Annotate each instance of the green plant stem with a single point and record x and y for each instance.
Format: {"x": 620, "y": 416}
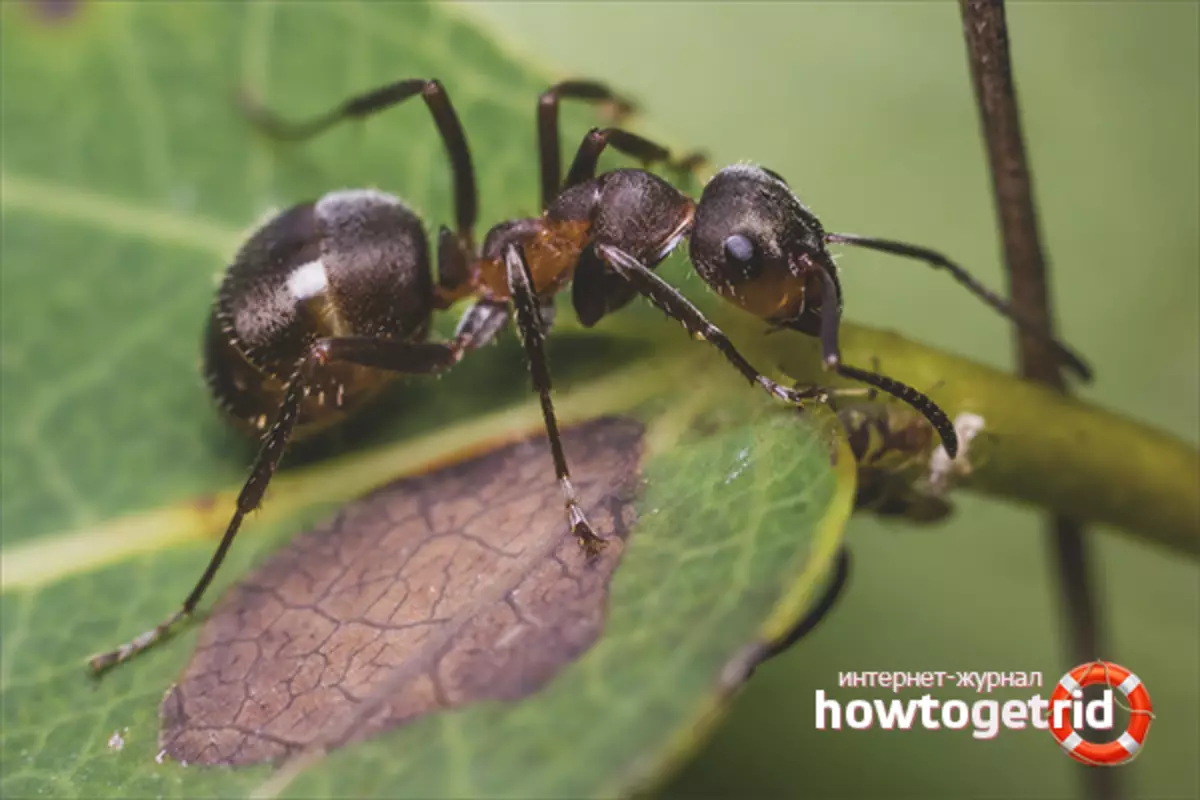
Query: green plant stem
{"x": 1038, "y": 447}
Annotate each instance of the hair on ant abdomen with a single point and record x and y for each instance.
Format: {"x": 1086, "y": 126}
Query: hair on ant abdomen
{"x": 313, "y": 273}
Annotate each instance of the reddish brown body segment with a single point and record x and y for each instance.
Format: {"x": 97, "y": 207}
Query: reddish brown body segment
{"x": 552, "y": 252}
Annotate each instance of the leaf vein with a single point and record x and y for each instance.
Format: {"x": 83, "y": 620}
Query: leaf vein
{"x": 106, "y": 212}
{"x": 147, "y": 107}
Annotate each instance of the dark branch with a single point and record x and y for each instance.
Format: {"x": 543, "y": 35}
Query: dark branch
{"x": 987, "y": 46}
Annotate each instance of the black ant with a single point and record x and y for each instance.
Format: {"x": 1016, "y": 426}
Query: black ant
{"x": 327, "y": 294}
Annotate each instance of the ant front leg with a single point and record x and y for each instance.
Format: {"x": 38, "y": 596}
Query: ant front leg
{"x": 405, "y": 357}
{"x": 531, "y": 326}
{"x": 668, "y": 299}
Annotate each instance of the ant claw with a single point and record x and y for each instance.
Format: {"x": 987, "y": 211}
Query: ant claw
{"x": 592, "y": 544}
{"x": 589, "y": 541}
{"x": 582, "y": 529}
{"x": 796, "y": 395}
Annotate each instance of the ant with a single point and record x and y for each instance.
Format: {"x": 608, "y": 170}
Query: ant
{"x": 330, "y": 296}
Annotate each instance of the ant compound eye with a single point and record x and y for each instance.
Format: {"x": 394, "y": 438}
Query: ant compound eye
{"x": 739, "y": 248}
{"x": 742, "y": 257}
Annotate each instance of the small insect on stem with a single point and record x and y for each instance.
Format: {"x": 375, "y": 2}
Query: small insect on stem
{"x": 332, "y": 298}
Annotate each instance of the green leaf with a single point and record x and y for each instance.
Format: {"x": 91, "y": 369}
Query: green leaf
{"x": 127, "y": 182}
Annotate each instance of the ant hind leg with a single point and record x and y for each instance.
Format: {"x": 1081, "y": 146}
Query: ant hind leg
{"x": 404, "y": 357}
{"x": 466, "y": 200}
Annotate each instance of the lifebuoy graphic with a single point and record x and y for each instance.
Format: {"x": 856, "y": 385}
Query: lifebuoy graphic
{"x": 1128, "y": 743}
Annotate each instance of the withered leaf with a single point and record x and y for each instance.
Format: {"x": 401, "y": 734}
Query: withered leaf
{"x": 428, "y": 594}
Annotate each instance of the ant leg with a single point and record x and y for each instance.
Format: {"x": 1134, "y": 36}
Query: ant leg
{"x": 678, "y": 307}
{"x": 531, "y": 329}
{"x": 405, "y": 357}
{"x": 454, "y": 260}
{"x": 937, "y": 260}
{"x": 832, "y": 357}
{"x": 583, "y": 168}
{"x": 265, "y": 462}
{"x": 466, "y": 199}
{"x": 547, "y": 124}
{"x": 480, "y": 324}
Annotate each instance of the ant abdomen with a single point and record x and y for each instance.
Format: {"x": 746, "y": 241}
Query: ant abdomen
{"x": 354, "y": 263}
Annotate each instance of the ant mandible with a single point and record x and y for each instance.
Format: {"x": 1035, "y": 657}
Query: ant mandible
{"x": 328, "y": 293}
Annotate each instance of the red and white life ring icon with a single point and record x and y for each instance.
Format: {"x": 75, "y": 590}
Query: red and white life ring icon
{"x": 1128, "y": 743}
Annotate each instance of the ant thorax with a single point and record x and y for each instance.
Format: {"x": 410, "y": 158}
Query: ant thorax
{"x": 552, "y": 248}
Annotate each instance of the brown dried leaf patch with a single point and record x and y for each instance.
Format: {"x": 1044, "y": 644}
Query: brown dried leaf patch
{"x": 428, "y": 594}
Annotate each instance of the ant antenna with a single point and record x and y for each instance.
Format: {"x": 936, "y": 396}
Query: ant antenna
{"x": 830, "y": 321}
{"x": 937, "y": 260}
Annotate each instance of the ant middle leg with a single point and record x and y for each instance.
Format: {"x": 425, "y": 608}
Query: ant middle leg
{"x": 547, "y": 124}
{"x": 531, "y": 328}
{"x": 668, "y": 299}
{"x": 587, "y": 157}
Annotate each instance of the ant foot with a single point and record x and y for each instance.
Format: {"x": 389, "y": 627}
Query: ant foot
{"x": 797, "y": 395}
{"x": 588, "y": 540}
{"x": 101, "y": 662}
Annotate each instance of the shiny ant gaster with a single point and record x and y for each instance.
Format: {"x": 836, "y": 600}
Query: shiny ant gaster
{"x": 329, "y": 297}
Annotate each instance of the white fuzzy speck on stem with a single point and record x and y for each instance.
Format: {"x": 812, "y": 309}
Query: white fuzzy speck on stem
{"x": 943, "y": 470}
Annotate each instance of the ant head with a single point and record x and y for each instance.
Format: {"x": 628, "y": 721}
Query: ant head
{"x": 755, "y": 244}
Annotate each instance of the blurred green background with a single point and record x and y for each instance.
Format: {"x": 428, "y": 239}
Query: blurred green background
{"x": 867, "y": 109}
